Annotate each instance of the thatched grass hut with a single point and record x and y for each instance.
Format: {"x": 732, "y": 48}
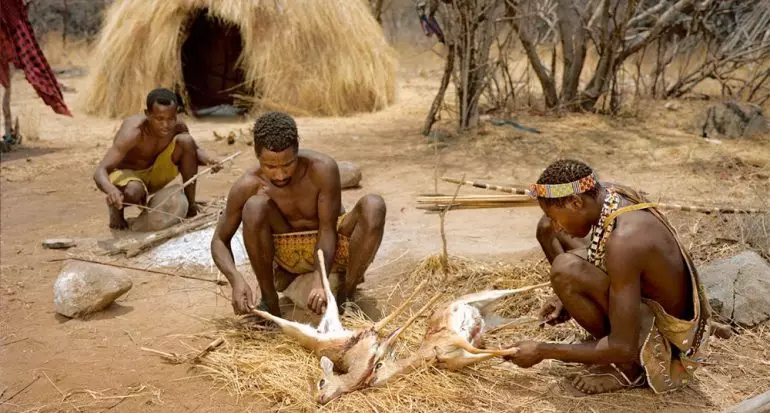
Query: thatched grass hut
{"x": 306, "y": 57}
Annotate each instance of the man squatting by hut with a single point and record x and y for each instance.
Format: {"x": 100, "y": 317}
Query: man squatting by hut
{"x": 291, "y": 206}
{"x": 633, "y": 287}
{"x": 147, "y": 153}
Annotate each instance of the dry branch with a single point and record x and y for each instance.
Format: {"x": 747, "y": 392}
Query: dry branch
{"x": 133, "y": 248}
{"x": 190, "y": 277}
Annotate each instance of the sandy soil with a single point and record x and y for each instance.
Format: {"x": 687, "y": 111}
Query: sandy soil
{"x": 47, "y": 192}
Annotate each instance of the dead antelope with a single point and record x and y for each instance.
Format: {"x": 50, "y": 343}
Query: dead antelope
{"x": 352, "y": 352}
{"x": 454, "y": 336}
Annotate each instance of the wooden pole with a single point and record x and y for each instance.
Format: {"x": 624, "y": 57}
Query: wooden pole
{"x": 7, "y": 102}
{"x": 756, "y": 404}
{"x": 189, "y": 277}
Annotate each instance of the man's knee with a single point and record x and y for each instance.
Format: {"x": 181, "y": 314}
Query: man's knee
{"x": 373, "y": 210}
{"x": 256, "y": 212}
{"x": 186, "y": 142}
{"x": 134, "y": 193}
{"x": 566, "y": 272}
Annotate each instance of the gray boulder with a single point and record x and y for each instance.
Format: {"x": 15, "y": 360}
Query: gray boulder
{"x": 738, "y": 288}
{"x": 350, "y": 175}
{"x": 84, "y": 288}
{"x": 733, "y": 120}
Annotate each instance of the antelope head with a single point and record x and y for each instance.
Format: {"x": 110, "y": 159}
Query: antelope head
{"x": 386, "y": 366}
{"x": 364, "y": 352}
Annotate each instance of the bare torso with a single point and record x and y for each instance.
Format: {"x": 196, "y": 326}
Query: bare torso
{"x": 298, "y": 201}
{"x": 148, "y": 147}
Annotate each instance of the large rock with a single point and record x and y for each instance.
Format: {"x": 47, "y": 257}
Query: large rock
{"x": 84, "y": 288}
{"x": 738, "y": 288}
{"x": 350, "y": 175}
{"x": 733, "y": 120}
{"x": 162, "y": 215}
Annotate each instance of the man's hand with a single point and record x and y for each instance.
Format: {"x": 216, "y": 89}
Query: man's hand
{"x": 316, "y": 300}
{"x": 215, "y": 165}
{"x": 527, "y": 356}
{"x": 553, "y": 311}
{"x": 115, "y": 198}
{"x": 243, "y": 299}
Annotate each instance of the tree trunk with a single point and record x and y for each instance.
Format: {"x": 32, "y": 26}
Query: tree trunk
{"x": 439, "y": 99}
{"x": 546, "y": 79}
{"x": 573, "y": 40}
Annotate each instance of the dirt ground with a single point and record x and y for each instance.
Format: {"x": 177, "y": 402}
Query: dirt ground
{"x": 98, "y": 364}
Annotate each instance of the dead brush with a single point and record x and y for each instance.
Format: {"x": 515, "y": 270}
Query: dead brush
{"x": 267, "y": 365}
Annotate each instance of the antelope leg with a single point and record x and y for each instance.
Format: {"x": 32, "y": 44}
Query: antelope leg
{"x": 303, "y": 333}
{"x": 387, "y": 344}
{"x": 461, "y": 343}
{"x": 331, "y": 318}
{"x": 483, "y": 299}
{"x": 384, "y": 322}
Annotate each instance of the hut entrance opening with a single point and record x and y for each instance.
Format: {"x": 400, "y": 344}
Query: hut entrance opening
{"x": 209, "y": 57}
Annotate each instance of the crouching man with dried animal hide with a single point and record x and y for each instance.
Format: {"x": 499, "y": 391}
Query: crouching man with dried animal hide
{"x": 291, "y": 206}
{"x": 634, "y": 287}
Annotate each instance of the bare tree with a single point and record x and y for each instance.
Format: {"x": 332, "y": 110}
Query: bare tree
{"x": 469, "y": 33}
{"x": 734, "y": 39}
{"x": 617, "y": 29}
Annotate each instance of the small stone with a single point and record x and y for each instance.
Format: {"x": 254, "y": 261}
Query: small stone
{"x": 672, "y": 106}
{"x": 59, "y": 243}
{"x": 350, "y": 175}
{"x": 84, "y": 288}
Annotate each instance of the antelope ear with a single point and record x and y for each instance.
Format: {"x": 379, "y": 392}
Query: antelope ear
{"x": 326, "y": 365}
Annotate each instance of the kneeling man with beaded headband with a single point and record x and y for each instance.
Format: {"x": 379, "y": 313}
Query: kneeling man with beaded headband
{"x": 618, "y": 269}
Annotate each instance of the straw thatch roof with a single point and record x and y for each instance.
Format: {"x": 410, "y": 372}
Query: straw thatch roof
{"x": 306, "y": 57}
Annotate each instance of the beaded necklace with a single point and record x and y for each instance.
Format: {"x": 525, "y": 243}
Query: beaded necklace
{"x": 599, "y": 234}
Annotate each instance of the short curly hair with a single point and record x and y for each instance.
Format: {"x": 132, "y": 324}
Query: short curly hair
{"x": 563, "y": 171}
{"x": 276, "y": 132}
{"x": 161, "y": 96}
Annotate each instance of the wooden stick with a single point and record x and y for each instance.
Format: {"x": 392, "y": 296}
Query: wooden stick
{"x": 211, "y": 347}
{"x": 756, "y": 404}
{"x": 22, "y": 389}
{"x": 190, "y": 277}
{"x": 684, "y": 208}
{"x": 154, "y": 210}
{"x": 196, "y": 176}
{"x": 133, "y": 247}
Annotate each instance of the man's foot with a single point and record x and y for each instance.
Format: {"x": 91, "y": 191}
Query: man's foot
{"x": 192, "y": 210}
{"x": 117, "y": 221}
{"x": 606, "y": 379}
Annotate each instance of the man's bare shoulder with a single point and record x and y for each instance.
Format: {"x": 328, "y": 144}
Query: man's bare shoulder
{"x": 131, "y": 128}
{"x": 319, "y": 164}
{"x": 636, "y": 232}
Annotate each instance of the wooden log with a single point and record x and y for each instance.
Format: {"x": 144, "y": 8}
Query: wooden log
{"x": 756, "y": 404}
{"x": 133, "y": 248}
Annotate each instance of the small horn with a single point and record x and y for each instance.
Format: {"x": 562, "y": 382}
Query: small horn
{"x": 390, "y": 317}
{"x": 397, "y": 332}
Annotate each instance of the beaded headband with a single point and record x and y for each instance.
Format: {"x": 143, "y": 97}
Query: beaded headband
{"x": 566, "y": 189}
